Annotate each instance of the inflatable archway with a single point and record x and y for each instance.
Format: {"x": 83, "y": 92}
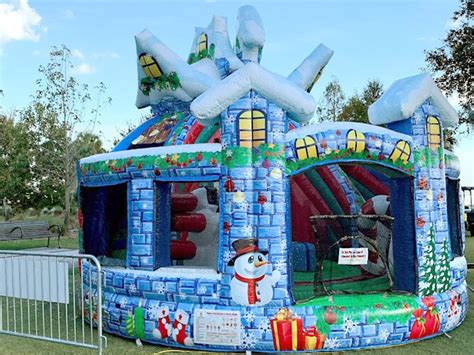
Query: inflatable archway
{"x": 224, "y": 167}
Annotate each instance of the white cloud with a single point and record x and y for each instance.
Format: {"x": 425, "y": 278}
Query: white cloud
{"x": 83, "y": 68}
{"x": 76, "y": 53}
{"x": 18, "y": 21}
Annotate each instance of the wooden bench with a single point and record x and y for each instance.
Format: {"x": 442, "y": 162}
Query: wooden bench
{"x": 19, "y": 230}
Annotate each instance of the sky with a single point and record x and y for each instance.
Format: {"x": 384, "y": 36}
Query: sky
{"x": 383, "y": 39}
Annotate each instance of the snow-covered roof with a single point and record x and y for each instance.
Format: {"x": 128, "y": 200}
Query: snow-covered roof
{"x": 298, "y": 103}
{"x": 172, "y": 149}
{"x": 404, "y": 96}
{"x": 193, "y": 82}
{"x": 250, "y": 33}
{"x": 305, "y": 74}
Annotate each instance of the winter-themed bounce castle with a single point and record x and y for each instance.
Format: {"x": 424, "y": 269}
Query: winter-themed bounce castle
{"x": 226, "y": 222}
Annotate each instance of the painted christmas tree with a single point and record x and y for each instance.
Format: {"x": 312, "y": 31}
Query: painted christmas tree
{"x": 444, "y": 269}
{"x": 429, "y": 278}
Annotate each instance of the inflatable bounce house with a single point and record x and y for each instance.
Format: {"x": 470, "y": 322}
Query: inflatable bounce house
{"x": 226, "y": 222}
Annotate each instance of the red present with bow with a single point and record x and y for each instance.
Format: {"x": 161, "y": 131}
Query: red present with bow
{"x": 287, "y": 331}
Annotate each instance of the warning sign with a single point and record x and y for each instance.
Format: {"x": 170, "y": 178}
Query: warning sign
{"x": 353, "y": 256}
{"x": 216, "y": 327}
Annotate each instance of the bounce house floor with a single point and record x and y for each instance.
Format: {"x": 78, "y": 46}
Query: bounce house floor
{"x": 342, "y": 279}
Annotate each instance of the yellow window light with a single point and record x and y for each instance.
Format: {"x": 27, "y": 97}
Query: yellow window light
{"x": 355, "y": 141}
{"x": 252, "y": 128}
{"x": 150, "y": 66}
{"x": 401, "y": 151}
{"x": 202, "y": 43}
{"x": 306, "y": 148}
{"x": 433, "y": 130}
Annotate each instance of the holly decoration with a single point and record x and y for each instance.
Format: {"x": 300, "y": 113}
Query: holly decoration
{"x": 229, "y": 185}
{"x": 163, "y": 82}
{"x": 444, "y": 269}
{"x": 429, "y": 278}
{"x": 262, "y": 199}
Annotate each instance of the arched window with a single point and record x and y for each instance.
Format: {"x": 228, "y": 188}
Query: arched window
{"x": 402, "y": 151}
{"x": 150, "y": 66}
{"x": 355, "y": 141}
{"x": 252, "y": 128}
{"x": 306, "y": 148}
{"x": 433, "y": 130}
{"x": 201, "y": 43}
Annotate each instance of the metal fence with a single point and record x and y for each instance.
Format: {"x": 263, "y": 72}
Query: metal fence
{"x": 48, "y": 297}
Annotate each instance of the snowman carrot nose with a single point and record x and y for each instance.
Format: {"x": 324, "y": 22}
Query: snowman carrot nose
{"x": 261, "y": 263}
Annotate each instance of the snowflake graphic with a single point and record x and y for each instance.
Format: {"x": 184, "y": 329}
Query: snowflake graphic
{"x": 153, "y": 312}
{"x": 161, "y": 288}
{"x": 248, "y": 174}
{"x": 245, "y": 205}
{"x": 202, "y": 289}
{"x": 331, "y": 343}
{"x": 229, "y": 153}
{"x": 384, "y": 334}
{"x": 264, "y": 325}
{"x": 277, "y": 134}
{"x": 280, "y": 264}
{"x": 247, "y": 230}
{"x": 283, "y": 244}
{"x": 229, "y": 120}
{"x": 278, "y": 113}
{"x": 249, "y": 316}
{"x": 132, "y": 288}
{"x": 123, "y": 302}
{"x": 227, "y": 256}
{"x": 349, "y": 325}
{"x": 248, "y": 341}
{"x": 254, "y": 100}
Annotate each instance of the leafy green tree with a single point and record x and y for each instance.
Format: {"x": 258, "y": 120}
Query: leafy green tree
{"x": 452, "y": 65}
{"x": 332, "y": 102}
{"x": 17, "y": 176}
{"x": 62, "y": 109}
{"x": 356, "y": 107}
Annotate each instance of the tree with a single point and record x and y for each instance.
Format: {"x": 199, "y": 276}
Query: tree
{"x": 332, "y": 102}
{"x": 429, "y": 277}
{"x": 61, "y": 109}
{"x": 452, "y": 63}
{"x": 356, "y": 107}
{"x": 16, "y": 173}
{"x": 444, "y": 269}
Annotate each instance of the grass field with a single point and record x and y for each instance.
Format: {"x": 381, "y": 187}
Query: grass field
{"x": 461, "y": 341}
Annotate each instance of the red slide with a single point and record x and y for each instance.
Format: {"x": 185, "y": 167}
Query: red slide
{"x": 193, "y": 133}
{"x": 361, "y": 174}
{"x": 301, "y": 209}
{"x": 335, "y": 188}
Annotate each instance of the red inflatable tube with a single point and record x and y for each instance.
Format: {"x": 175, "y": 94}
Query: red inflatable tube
{"x": 183, "y": 202}
{"x": 193, "y": 133}
{"x": 361, "y": 174}
{"x": 313, "y": 195}
{"x": 182, "y": 250}
{"x": 301, "y": 209}
{"x": 335, "y": 188}
{"x": 188, "y": 222}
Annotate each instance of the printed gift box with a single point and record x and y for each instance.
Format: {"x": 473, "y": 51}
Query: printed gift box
{"x": 287, "y": 331}
{"x": 313, "y": 339}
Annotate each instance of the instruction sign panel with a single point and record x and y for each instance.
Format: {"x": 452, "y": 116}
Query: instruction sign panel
{"x": 215, "y": 327}
{"x": 353, "y": 256}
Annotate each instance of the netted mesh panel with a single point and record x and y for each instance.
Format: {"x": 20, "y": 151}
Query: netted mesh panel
{"x": 353, "y": 254}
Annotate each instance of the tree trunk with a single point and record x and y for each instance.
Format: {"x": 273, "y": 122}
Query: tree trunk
{"x": 67, "y": 209}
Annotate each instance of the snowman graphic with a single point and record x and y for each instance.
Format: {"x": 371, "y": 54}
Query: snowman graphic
{"x": 251, "y": 286}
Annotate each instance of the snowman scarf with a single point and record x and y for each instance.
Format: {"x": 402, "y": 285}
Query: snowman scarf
{"x": 251, "y": 287}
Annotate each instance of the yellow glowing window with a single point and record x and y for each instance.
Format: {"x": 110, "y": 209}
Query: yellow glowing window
{"x": 150, "y": 66}
{"x": 252, "y": 128}
{"x": 306, "y": 148}
{"x": 202, "y": 43}
{"x": 402, "y": 151}
{"x": 433, "y": 129}
{"x": 355, "y": 141}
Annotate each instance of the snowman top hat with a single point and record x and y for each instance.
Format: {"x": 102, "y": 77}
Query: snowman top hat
{"x": 244, "y": 246}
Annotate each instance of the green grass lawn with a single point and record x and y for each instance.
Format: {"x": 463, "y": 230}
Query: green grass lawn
{"x": 460, "y": 343}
